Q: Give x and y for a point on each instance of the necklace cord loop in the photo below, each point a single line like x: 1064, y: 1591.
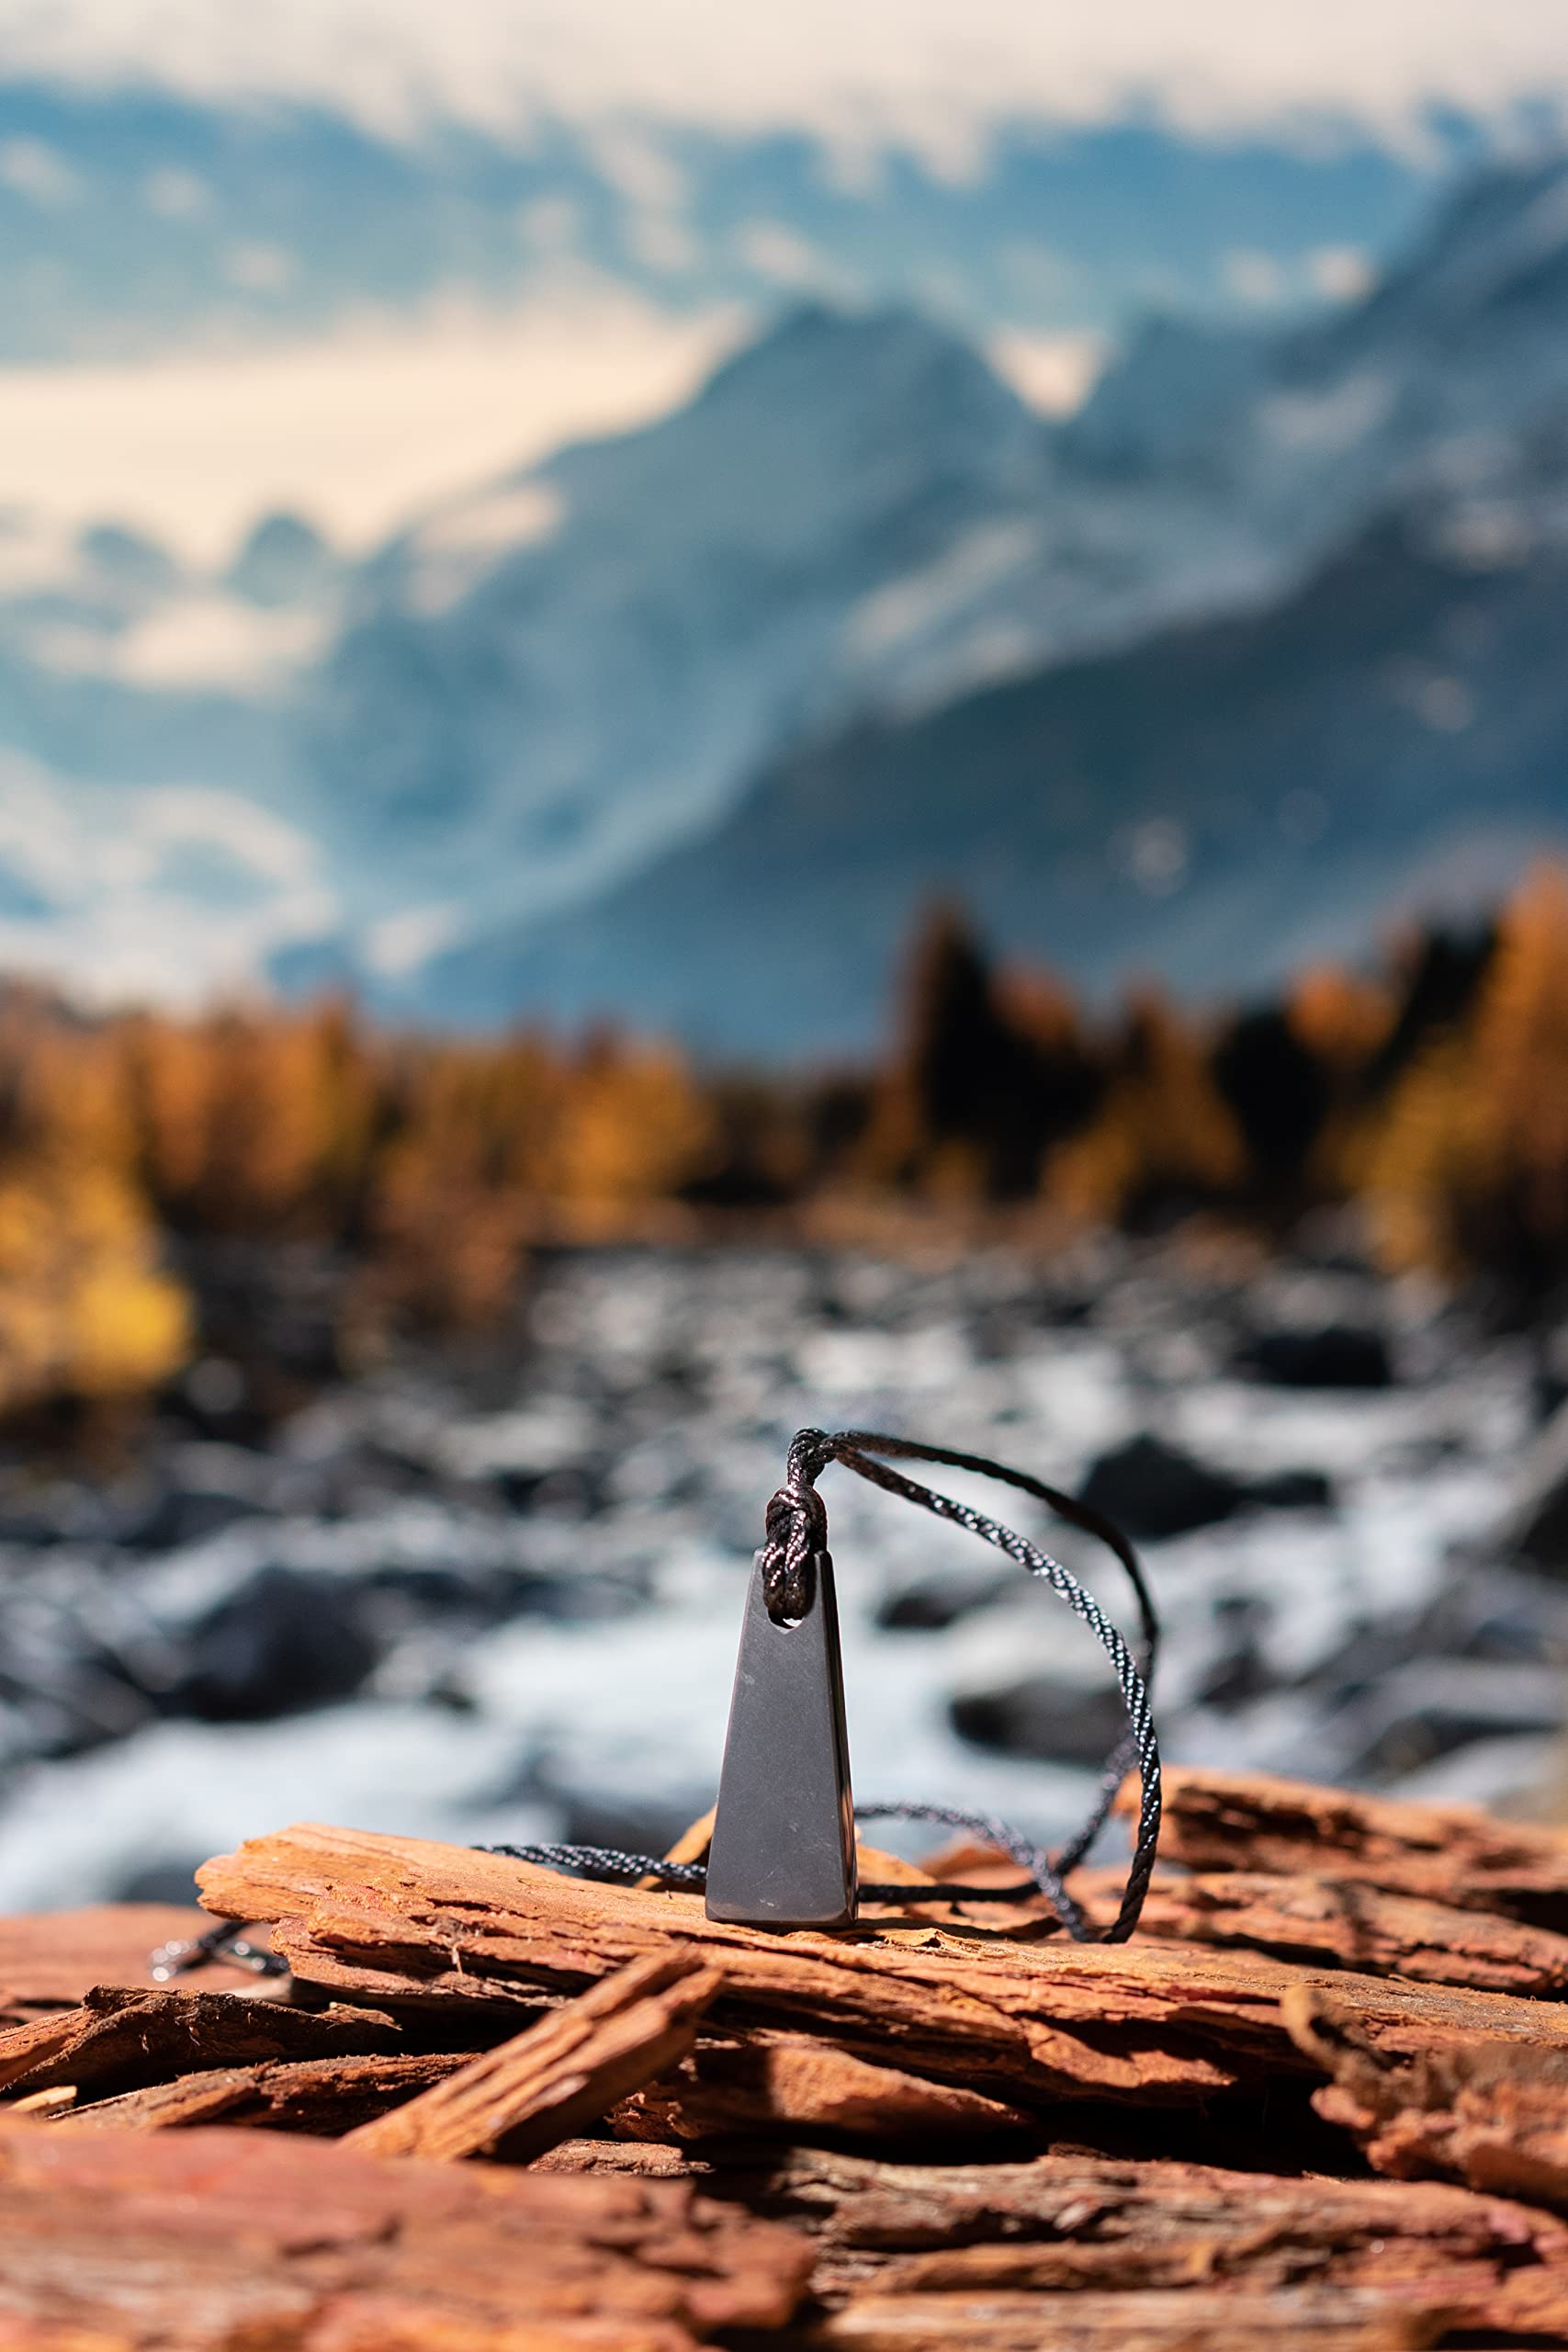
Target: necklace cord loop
x: 795, y: 1529
x: 796, y: 1526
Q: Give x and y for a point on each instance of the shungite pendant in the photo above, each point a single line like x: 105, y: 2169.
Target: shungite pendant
x: 784, y: 1836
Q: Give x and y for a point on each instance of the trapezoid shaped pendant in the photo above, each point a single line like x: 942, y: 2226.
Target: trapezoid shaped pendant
x: 784, y: 1835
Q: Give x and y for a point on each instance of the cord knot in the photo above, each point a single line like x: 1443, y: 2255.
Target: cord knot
x: 796, y: 1529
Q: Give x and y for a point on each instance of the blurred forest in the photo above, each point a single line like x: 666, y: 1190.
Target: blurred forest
x: 139, y: 1152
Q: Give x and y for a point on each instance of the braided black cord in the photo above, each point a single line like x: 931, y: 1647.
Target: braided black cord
x: 813, y: 1449
x: 796, y: 1528
x: 608, y: 1862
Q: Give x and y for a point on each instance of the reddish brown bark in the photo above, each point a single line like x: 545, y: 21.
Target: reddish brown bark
x: 1333, y: 1922
x: 559, y: 2075
x: 937, y: 2255
x: 398, y: 1920
x: 791, y: 2084
x: 325, y: 2097
x: 1448, y: 1854
x: 48, y: 1959
x: 118, y: 2040
x: 190, y: 2242
x: 1489, y: 2113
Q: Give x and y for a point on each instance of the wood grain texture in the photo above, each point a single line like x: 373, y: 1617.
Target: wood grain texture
x: 1330, y: 1922
x: 1473, y: 2109
x: 928, y: 2256
x: 49, y: 1960
x: 794, y: 2085
x: 397, y: 1921
x: 325, y: 2097
x: 559, y: 2075
x: 211, y: 2240
x: 119, y: 2040
x: 1449, y: 1854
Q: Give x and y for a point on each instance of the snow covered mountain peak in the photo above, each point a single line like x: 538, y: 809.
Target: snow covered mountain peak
x: 582, y: 662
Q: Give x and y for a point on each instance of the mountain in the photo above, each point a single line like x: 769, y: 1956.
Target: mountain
x: 543, y: 685
x: 1192, y: 681
x: 1217, y: 805
x: 1371, y: 502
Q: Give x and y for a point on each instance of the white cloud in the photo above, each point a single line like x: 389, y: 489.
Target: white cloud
x: 462, y: 541
x: 172, y: 194
x: 198, y: 640
x: 397, y: 945
x: 640, y: 168
x: 777, y: 251
x: 357, y: 427
x: 549, y: 226
x: 122, y: 923
x: 1254, y: 276
x: 37, y: 171
x: 653, y: 189
x: 258, y: 269
x: 1341, y: 273
x: 662, y: 241
x: 933, y: 74
x: 1055, y: 373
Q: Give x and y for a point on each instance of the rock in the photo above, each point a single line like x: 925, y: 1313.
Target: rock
x: 1536, y: 1529
x: 1293, y: 1491
x: 182, y: 1516
x: 620, y: 1820
x: 286, y: 1640
x: 1433, y: 1709
x: 938, y: 1601
x: 1044, y: 1716
x: 1334, y: 1355
x: 1240, y: 1673
x: 1152, y: 1489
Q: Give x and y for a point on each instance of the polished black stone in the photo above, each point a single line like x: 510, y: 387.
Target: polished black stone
x: 784, y: 1838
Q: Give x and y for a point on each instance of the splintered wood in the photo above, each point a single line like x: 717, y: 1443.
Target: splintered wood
x: 1317, y: 2102
x: 559, y: 2074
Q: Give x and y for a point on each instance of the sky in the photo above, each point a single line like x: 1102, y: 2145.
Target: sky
x: 268, y: 336
x: 932, y: 73
x: 360, y: 427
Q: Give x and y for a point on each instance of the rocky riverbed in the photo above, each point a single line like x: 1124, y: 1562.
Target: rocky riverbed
x: 495, y: 1594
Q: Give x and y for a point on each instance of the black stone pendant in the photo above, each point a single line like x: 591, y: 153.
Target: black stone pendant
x: 784, y: 1836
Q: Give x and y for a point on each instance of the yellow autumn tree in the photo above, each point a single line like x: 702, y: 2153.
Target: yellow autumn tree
x: 1344, y: 1021
x: 85, y: 1313
x: 635, y: 1128
x: 252, y: 1121
x: 1470, y: 1166
x: 1162, y: 1131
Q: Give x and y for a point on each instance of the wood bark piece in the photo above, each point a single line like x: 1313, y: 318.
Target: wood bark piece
x: 562, y: 2073
x: 326, y: 2097
x: 211, y: 2241
x: 931, y: 2255
x: 1450, y: 1854
x: 117, y: 2040
x: 1319, y: 2320
x: 1323, y: 2320
x: 1489, y: 2113
x: 1323, y: 1920
x: 790, y: 2083
x: 49, y: 1960
x: 389, y: 1919
x: 1333, y: 1922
